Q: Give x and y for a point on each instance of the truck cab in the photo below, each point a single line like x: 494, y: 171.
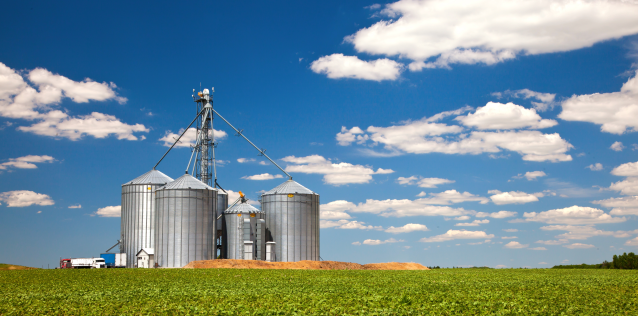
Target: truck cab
x: 99, y: 263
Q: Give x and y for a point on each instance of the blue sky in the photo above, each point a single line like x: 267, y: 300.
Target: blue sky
x: 450, y: 133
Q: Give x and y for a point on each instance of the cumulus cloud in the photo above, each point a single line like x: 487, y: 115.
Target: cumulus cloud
x: 595, y: 167
x: 451, y: 197
x: 457, y: 234
x: 553, y: 242
x: 510, y: 230
x: 499, y: 214
x: 513, y: 197
x: 346, y: 224
x: 628, y: 186
x: 20, y: 100
x: 538, y: 248
x: 617, y: 146
x: 357, y: 243
x: 190, y: 138
x: 334, y: 173
x: 632, y: 242
x: 374, y: 242
x: 544, y: 101
x: 337, y: 66
x: 25, y: 162
x: 427, y: 136
x: 579, y: 246
x: 22, y: 198
x: 245, y: 160
x: 573, y: 215
x: 75, y: 206
x: 629, y: 169
x: 423, y: 182
x: 616, y: 112
x: 474, y: 223
x: 109, y: 211
x: 533, y: 175
x: 233, y: 196
x: 505, y: 116
x: 335, y: 210
x: 626, y: 205
x: 407, y: 228
x: 400, y: 208
x: 491, y: 31
x: 515, y: 245
x: 263, y: 176
x: 584, y: 232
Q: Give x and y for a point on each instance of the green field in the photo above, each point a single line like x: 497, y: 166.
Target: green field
x: 285, y: 292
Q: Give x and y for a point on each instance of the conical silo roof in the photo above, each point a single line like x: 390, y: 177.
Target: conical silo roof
x: 152, y: 177
x: 242, y: 208
x: 288, y: 187
x: 187, y: 182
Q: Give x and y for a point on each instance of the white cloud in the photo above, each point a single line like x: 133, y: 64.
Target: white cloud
x: 573, y: 215
x: 335, y: 210
x: 505, y: 116
x: 499, y: 214
x: 509, y: 237
x: 21, y: 101
x: 510, y: 230
x: 233, y: 196
x: 424, y: 136
x: 515, y: 245
x: 109, y: 211
x: 346, y: 224
x: 632, y: 242
x: 474, y: 223
x: 400, y: 208
x: 423, y: 182
x: 452, y: 196
x: 189, y: 138
x: 75, y: 206
x: 595, y: 167
x: 357, y: 243
x: 584, y: 232
x: 22, y: 198
x: 461, y: 218
x: 538, y: 248
x: 245, y: 160
x: 617, y: 146
x: 349, y: 136
x: 542, y: 263
x: 628, y: 186
x: 545, y: 100
x: 334, y: 173
x: 616, y: 112
x: 490, y: 31
x: 513, y: 197
x: 337, y: 66
x: 25, y: 162
x: 533, y: 175
x: 374, y: 242
x: 407, y: 228
x: 263, y: 176
x: 579, y: 246
x: 626, y: 205
x: 552, y: 242
x: 457, y: 234
x: 629, y: 169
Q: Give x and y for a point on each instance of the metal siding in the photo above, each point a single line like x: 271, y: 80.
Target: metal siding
x: 137, y: 219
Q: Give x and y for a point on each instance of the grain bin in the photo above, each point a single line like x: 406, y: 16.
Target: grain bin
x: 292, y: 221
x: 234, y: 228
x: 222, y: 205
x: 138, y: 213
x: 185, y: 222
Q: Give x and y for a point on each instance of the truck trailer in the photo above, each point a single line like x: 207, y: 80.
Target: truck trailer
x: 82, y: 263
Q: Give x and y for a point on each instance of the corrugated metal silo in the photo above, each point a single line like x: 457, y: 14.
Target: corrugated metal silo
x: 222, y: 205
x: 138, y: 213
x: 233, y: 229
x: 185, y: 222
x: 292, y: 221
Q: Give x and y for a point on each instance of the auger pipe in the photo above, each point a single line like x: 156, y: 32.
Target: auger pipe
x: 260, y: 151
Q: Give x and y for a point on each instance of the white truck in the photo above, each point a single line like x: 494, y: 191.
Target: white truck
x: 88, y: 263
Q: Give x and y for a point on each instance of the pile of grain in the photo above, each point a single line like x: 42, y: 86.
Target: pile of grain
x: 301, y: 265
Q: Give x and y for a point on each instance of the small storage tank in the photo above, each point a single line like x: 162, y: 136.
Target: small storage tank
x: 138, y: 213
x: 234, y: 229
x: 185, y: 222
x: 292, y: 221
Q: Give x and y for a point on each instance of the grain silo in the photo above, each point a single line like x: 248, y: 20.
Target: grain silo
x: 138, y: 213
x: 243, y: 222
x: 292, y: 221
x: 185, y: 222
x: 222, y: 205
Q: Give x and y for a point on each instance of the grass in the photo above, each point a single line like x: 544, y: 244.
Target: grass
x: 4, y: 266
x: 340, y: 292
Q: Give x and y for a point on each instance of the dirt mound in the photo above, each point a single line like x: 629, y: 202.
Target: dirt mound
x: 301, y: 265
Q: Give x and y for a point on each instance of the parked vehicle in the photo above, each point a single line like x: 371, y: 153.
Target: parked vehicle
x: 82, y: 263
x: 114, y: 260
x: 65, y: 264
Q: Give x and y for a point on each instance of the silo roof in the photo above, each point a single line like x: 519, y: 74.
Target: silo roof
x: 187, y: 182
x: 153, y: 177
x: 242, y: 208
x: 288, y: 187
